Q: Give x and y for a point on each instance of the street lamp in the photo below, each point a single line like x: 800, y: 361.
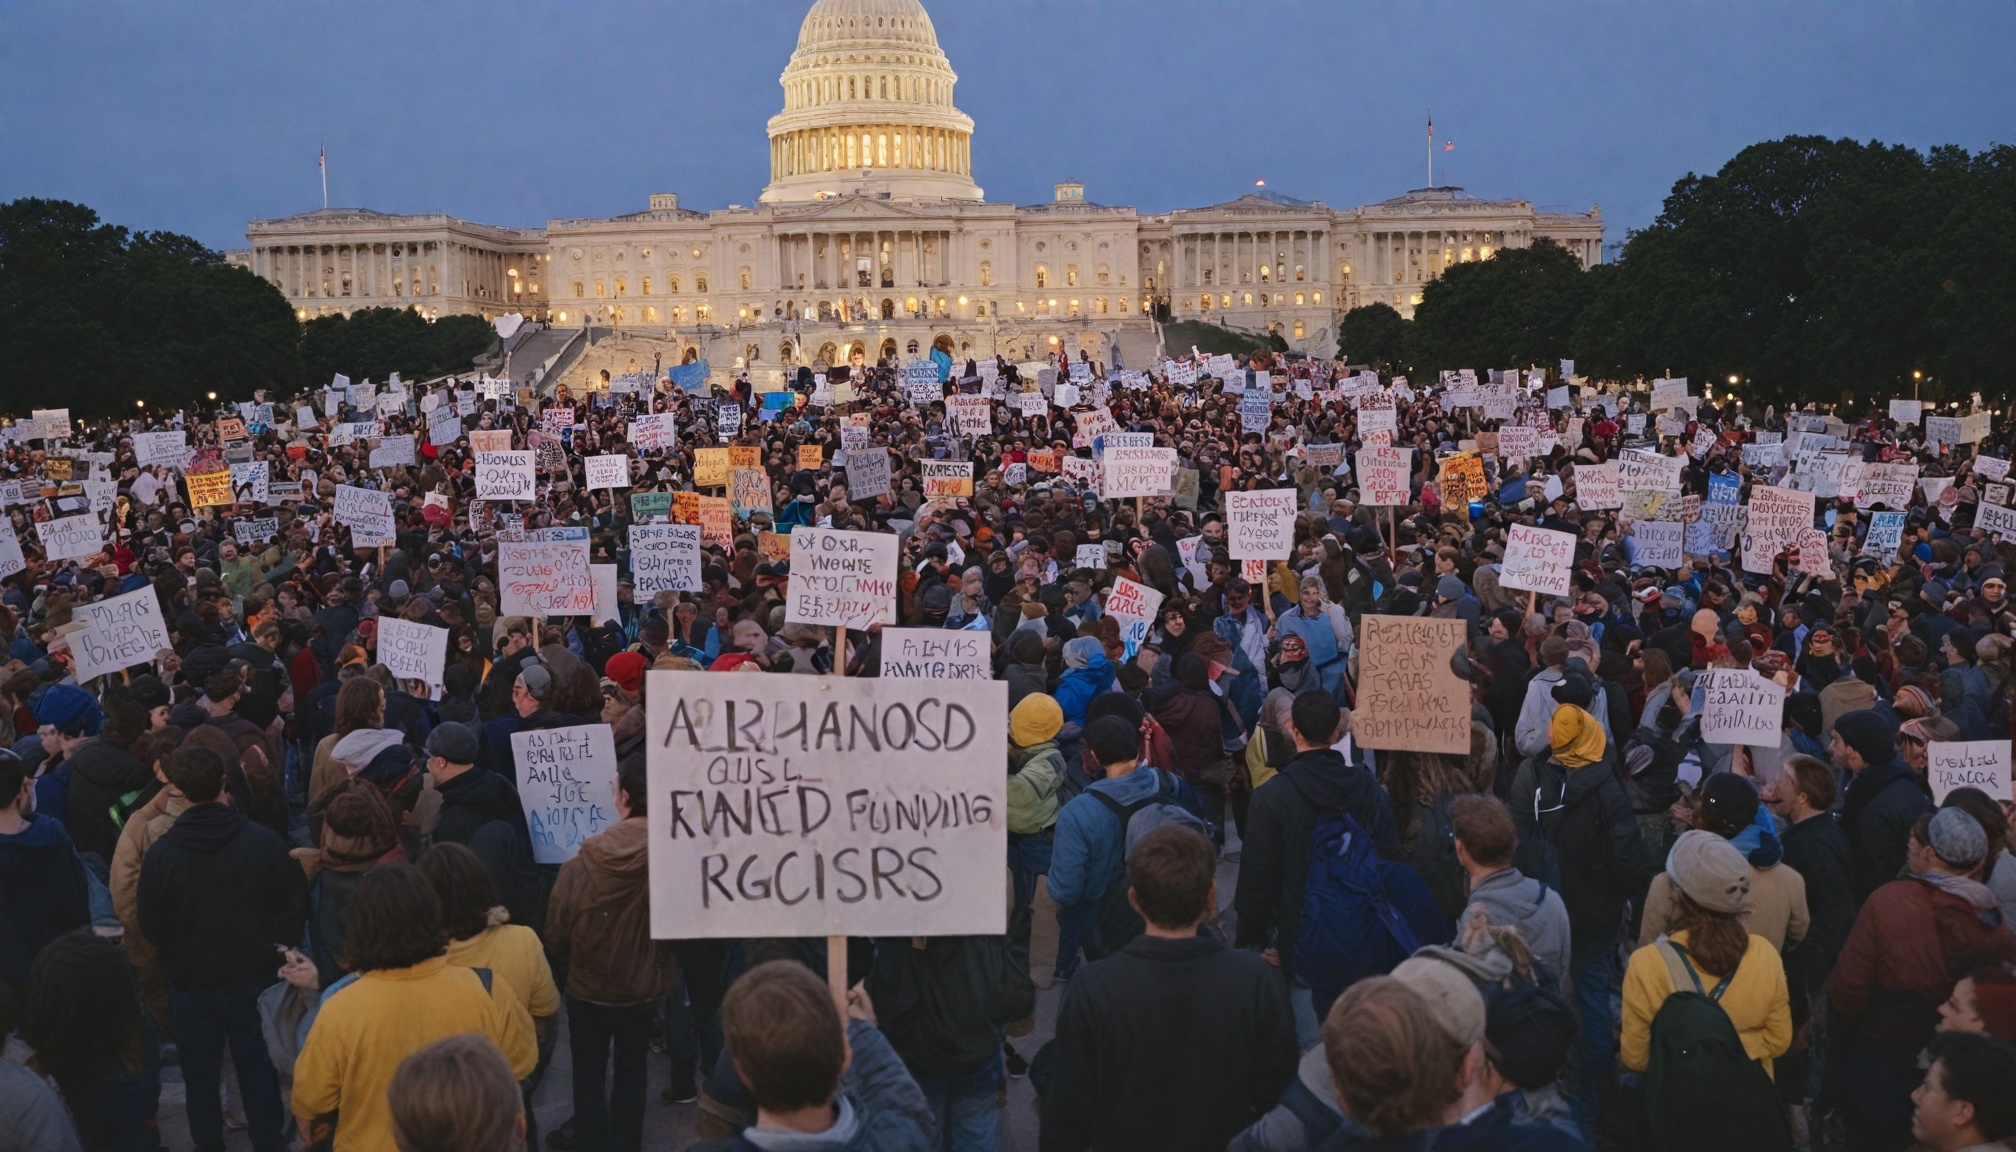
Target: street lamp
x: 213, y: 395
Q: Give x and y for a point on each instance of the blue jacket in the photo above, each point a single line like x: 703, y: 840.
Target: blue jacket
x: 1248, y: 690
x: 1089, y: 847
x: 42, y: 894
x: 881, y: 1109
x: 1077, y: 687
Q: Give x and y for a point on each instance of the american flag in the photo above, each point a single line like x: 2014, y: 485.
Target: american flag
x: 1449, y: 146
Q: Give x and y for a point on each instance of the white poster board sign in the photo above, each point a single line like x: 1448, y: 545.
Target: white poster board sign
x: 1139, y: 471
x: 820, y: 806
x: 1982, y: 764
x: 412, y: 650
x: 664, y: 558
x: 71, y: 537
x: 506, y: 476
x: 608, y: 472
x: 1538, y: 560
x: 545, y: 577
x: 1260, y: 525
x: 167, y: 449
x: 1740, y: 707
x: 567, y: 782
x: 841, y: 578
x: 937, y: 654
x: 119, y: 633
x: 1656, y: 543
x: 367, y: 513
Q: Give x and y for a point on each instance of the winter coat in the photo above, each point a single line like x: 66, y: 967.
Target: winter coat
x: 598, y: 921
x: 1196, y: 729
x: 1897, y: 967
x: 1512, y: 898
x: 1033, y: 774
x: 1280, y: 822
x: 1819, y: 850
x: 945, y: 1002
x: 1597, y: 847
x: 481, y: 811
x: 1077, y: 687
x: 217, y: 892
x: 43, y: 894
x: 1536, y: 714
x: 1883, y: 802
x: 106, y: 784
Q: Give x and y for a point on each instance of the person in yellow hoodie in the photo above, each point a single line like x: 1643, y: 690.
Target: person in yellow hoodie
x: 1714, y: 883
x: 403, y: 995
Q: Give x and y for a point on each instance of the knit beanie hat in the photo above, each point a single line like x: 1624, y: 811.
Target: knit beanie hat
x: 1869, y: 733
x: 70, y: 710
x: 1711, y: 871
x: 1036, y: 719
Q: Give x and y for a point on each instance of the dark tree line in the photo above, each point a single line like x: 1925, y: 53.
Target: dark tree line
x: 1812, y: 269
x: 95, y: 317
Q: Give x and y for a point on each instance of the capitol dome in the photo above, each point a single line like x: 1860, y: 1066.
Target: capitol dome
x: 868, y: 109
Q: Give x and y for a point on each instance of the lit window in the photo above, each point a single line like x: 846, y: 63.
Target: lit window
x: 1204, y: 303
x: 1225, y: 301
x: 647, y: 285
x: 1246, y: 299
x: 699, y: 283
x: 622, y: 285
x: 1071, y: 276
x: 579, y: 290
x: 1317, y: 297
x: 651, y: 314
x: 1298, y: 330
x: 1042, y: 276
x: 1484, y: 253
x: 986, y: 273
x: 1299, y: 299
x: 745, y: 279
x: 1099, y: 306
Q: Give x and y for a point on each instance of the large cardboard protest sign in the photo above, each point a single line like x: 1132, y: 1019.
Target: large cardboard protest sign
x: 411, y: 650
x: 506, y: 476
x: 1982, y: 764
x: 665, y: 558
x: 1995, y: 520
x: 1134, y: 606
x: 944, y: 479
x: 567, y: 783
x: 1641, y: 471
x: 11, y: 560
x: 1538, y: 560
x: 936, y: 654
x: 1409, y: 699
x: 548, y: 576
x: 1597, y: 487
x: 867, y: 473
x: 206, y: 489
x: 818, y: 806
x: 368, y: 515
x: 841, y: 578
x: 608, y: 472
x: 1383, y: 476
x: 1656, y: 544
x: 1740, y: 707
x: 165, y: 449
x: 1260, y: 525
x: 71, y: 537
x: 1138, y: 471
x: 118, y: 633
x: 1777, y: 517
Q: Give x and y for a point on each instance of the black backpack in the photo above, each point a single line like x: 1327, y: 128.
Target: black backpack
x: 1119, y: 924
x: 1703, y: 1092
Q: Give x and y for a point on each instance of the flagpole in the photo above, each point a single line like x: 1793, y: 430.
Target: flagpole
x: 322, y: 162
x: 1431, y: 150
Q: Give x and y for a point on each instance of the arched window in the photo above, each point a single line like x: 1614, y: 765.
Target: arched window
x: 601, y: 289
x: 745, y: 279
x: 851, y: 95
x: 986, y: 273
x: 1071, y: 275
x: 911, y: 348
x: 579, y: 290
x: 651, y: 315
x: 1099, y: 306
x: 1225, y: 301
x: 1246, y: 299
x: 622, y: 285
x: 1298, y: 272
x: 1204, y: 303
x: 1299, y: 299
x: 1317, y: 297
x: 647, y: 285
x: 910, y: 305
x: 1266, y: 273
x: 1042, y: 276
x: 888, y: 309
x: 1298, y: 330
x: 752, y: 353
x: 1103, y: 274
x: 1124, y: 305
x: 699, y: 282
x: 703, y: 312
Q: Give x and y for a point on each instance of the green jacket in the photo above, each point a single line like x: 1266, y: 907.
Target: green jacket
x: 1033, y: 773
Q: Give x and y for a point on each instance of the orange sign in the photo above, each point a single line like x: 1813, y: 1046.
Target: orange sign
x: 1044, y: 461
x: 717, y: 521
x: 811, y: 457
x: 774, y: 545
x: 230, y: 428
x: 745, y: 456
x: 685, y: 508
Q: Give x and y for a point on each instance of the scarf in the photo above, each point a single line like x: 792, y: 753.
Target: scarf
x: 1576, y: 736
x: 1977, y: 894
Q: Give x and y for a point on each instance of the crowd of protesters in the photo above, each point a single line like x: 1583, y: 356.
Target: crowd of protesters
x: 261, y: 856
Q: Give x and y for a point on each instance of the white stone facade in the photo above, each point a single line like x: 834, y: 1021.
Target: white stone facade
x: 872, y: 237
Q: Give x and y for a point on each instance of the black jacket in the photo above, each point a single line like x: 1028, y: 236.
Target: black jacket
x: 482, y: 812
x: 1173, y: 1045
x: 945, y: 1006
x: 1279, y: 824
x: 217, y: 892
x: 101, y: 777
x: 494, y: 698
x: 1818, y: 850
x: 1883, y: 801
x: 43, y: 894
x: 1598, y: 854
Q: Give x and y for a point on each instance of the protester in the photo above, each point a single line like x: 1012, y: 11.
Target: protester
x: 456, y: 1095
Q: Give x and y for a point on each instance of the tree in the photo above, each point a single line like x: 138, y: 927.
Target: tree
x: 1372, y: 334
x: 101, y: 317
x: 1516, y: 309
x: 373, y: 343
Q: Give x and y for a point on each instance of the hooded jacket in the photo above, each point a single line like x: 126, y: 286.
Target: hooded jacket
x: 481, y: 811
x: 1897, y: 966
x: 1883, y: 801
x: 1081, y: 682
x: 217, y: 892
x: 1510, y: 898
x: 1777, y: 909
x: 1597, y: 848
x: 1819, y: 850
x: 1280, y: 822
x: 42, y: 894
x: 598, y: 922
x: 945, y: 1005
x: 104, y: 777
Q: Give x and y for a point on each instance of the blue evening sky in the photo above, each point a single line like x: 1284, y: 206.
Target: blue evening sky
x: 198, y: 115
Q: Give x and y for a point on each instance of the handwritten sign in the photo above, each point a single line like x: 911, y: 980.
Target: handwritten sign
x: 1740, y: 707
x: 1408, y: 697
x: 1656, y: 543
x: 490, y: 440
x: 1144, y: 471
x: 1777, y: 517
x: 749, y: 491
x: 710, y: 468
x: 393, y: 452
x: 936, y: 654
x: 1090, y: 556
x: 1260, y: 525
x: 412, y: 650
x: 1134, y: 606
x: 944, y: 479
x: 75, y: 537
x: 207, y: 489
x: 251, y: 483
x: 1538, y: 560
x: 1641, y: 471
x: 1463, y: 479
x: 119, y: 632
x: 506, y: 476
x: 1383, y: 479
x: 841, y: 578
x: 608, y: 472
x: 811, y: 457
x: 816, y: 806
x: 11, y: 560
x: 647, y: 506
x: 546, y: 577
x: 255, y: 531
x: 368, y: 515
x: 867, y: 473
x: 164, y: 449
x: 567, y: 782
x: 665, y: 558
x: 1982, y: 764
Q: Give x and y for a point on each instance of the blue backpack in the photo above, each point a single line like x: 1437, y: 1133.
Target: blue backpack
x: 1361, y: 915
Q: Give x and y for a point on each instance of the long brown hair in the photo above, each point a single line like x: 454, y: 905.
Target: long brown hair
x: 1418, y: 779
x: 1716, y: 940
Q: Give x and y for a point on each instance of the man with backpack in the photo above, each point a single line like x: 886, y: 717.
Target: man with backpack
x: 1088, y: 862
x: 1317, y: 783
x: 1485, y: 838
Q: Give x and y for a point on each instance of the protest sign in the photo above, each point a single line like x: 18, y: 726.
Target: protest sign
x: 250, y: 483
x: 867, y: 473
x: 608, y: 472
x: 717, y: 521
x: 811, y: 457
x: 1740, y: 707
x: 1982, y: 764
x: 1669, y: 394
x: 1138, y: 471
x: 490, y: 440
x: 1777, y: 517
x: 1886, y: 532
x: 945, y: 479
x: 749, y: 491
x: 411, y: 650
x: 1260, y: 525
x: 649, y: 506
x: 1256, y: 410
x: 1656, y: 544
x: 710, y: 468
x: 207, y: 489
x: 50, y: 423
x: 819, y: 806
x: 72, y: 537
x: 1134, y: 606
x: 393, y: 452
x: 1906, y: 411
x: 608, y: 604
x: 1463, y: 479
x: 506, y: 476
x: 165, y: 449
x: 1090, y: 556
x: 367, y: 513
x: 1942, y: 430
x: 774, y: 546
x: 255, y: 531
x: 665, y: 558
x: 1538, y: 560
x: 1597, y: 487
x: 1991, y: 467
x: 1383, y: 479
x: 11, y: 560
x: 118, y: 633
x: 547, y: 577
x: 1996, y: 520
x: 1408, y: 697
x: 650, y: 433
x: 1641, y: 471
x: 841, y: 578
x: 567, y: 783
x: 936, y: 654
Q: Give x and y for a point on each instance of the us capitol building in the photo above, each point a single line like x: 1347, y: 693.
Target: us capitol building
x: 873, y: 238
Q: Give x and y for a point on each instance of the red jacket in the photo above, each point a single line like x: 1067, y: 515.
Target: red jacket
x: 1905, y: 941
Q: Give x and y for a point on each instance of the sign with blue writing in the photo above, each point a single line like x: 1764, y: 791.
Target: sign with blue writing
x: 567, y: 782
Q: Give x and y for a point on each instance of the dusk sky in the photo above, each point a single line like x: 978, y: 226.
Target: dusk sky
x: 199, y: 115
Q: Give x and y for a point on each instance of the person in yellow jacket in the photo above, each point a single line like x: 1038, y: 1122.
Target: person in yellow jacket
x: 1713, y: 880
x: 404, y: 996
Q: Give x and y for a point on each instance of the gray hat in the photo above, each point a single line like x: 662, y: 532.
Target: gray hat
x: 1711, y: 871
x: 1450, y: 587
x: 1450, y: 997
x: 455, y: 743
x: 538, y: 681
x: 1957, y: 838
